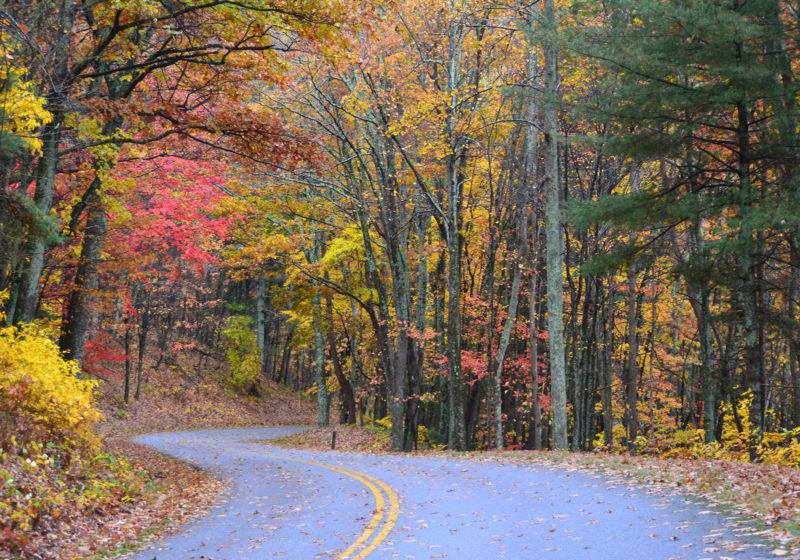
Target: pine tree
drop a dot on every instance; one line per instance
(703, 89)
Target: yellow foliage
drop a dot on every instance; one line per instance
(241, 349)
(424, 434)
(39, 387)
(781, 448)
(385, 422)
(331, 386)
(21, 110)
(348, 245)
(618, 435)
(46, 416)
(425, 438)
(734, 442)
(778, 448)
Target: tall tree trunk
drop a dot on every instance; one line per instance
(438, 288)
(455, 160)
(749, 274)
(411, 425)
(286, 358)
(401, 294)
(346, 390)
(417, 361)
(261, 320)
(143, 329)
(323, 412)
(584, 384)
(493, 389)
(511, 319)
(380, 323)
(785, 111)
(502, 348)
(531, 252)
(76, 322)
(700, 299)
(554, 233)
(536, 406)
(353, 341)
(127, 347)
(456, 438)
(43, 197)
(631, 367)
(57, 98)
(794, 347)
(605, 376)
(650, 356)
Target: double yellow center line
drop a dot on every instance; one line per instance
(383, 520)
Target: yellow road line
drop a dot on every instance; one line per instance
(375, 485)
(394, 512)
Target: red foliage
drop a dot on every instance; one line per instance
(98, 350)
(174, 215)
(475, 363)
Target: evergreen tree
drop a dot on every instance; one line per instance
(702, 89)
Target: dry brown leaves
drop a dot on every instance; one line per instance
(173, 400)
(348, 438)
(177, 492)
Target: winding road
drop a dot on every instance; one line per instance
(306, 505)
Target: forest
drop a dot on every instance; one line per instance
(485, 225)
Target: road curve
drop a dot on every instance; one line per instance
(306, 505)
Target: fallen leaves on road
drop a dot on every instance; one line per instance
(766, 494)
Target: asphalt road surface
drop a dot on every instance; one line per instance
(306, 505)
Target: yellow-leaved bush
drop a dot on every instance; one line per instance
(241, 349)
(46, 418)
(737, 438)
(41, 396)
